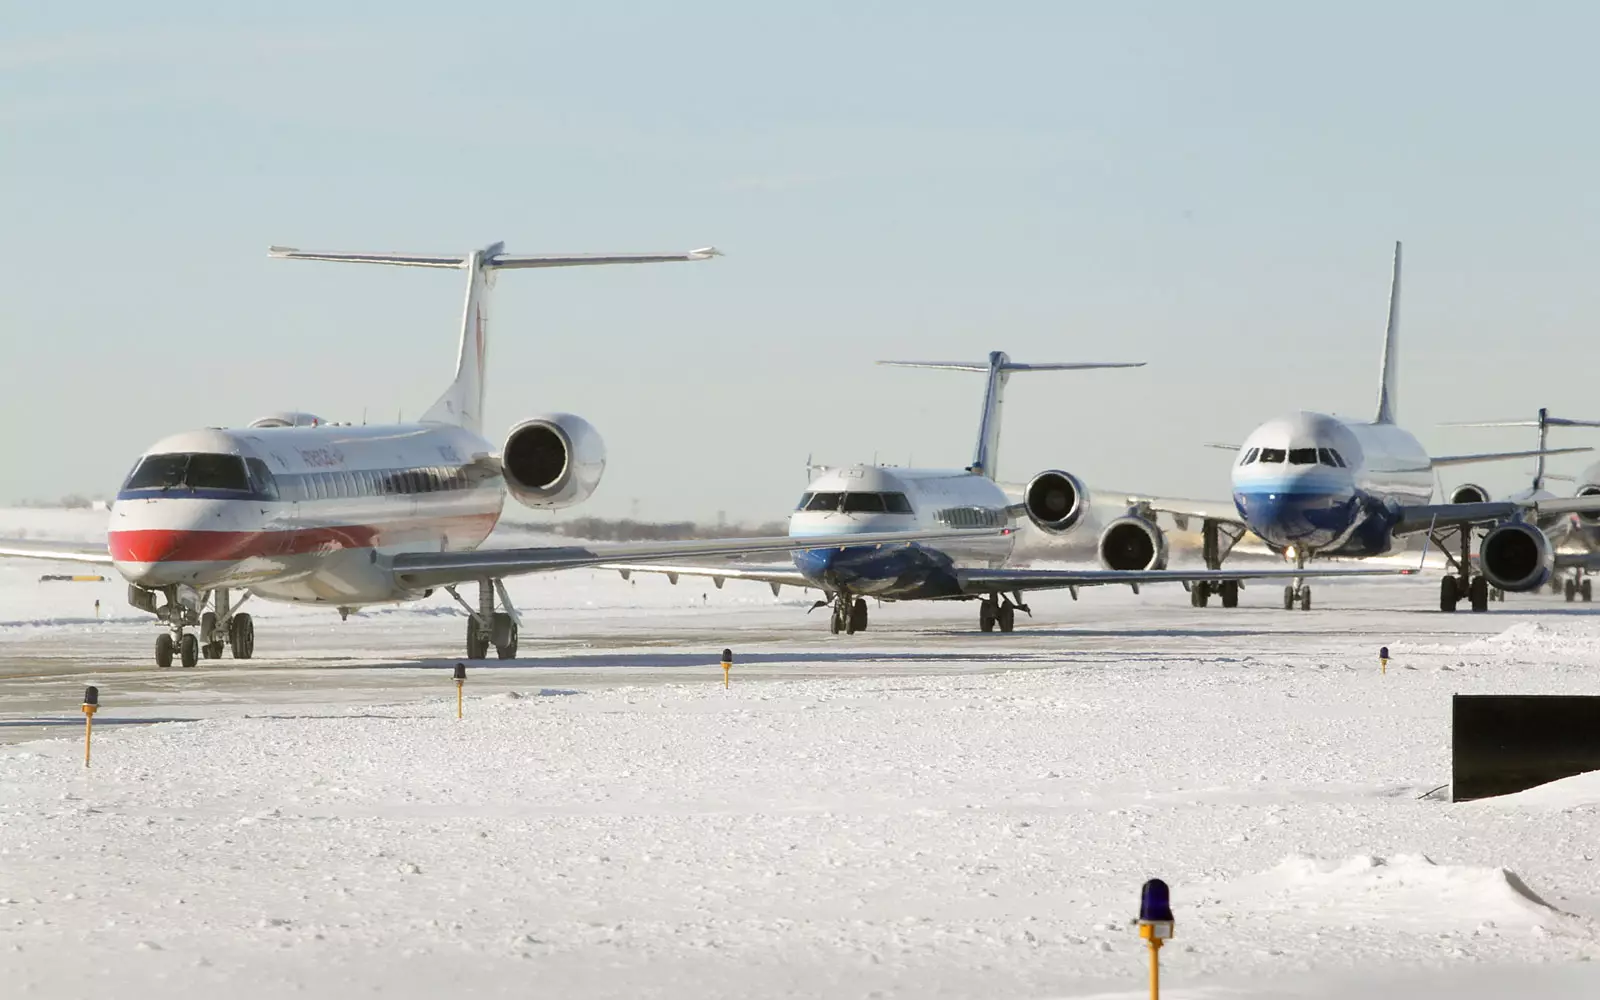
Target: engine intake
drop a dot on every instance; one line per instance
(1056, 501)
(1132, 543)
(1516, 556)
(1469, 493)
(553, 461)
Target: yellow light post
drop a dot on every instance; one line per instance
(1383, 659)
(91, 704)
(727, 667)
(1155, 926)
(461, 681)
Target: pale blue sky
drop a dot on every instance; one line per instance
(1213, 188)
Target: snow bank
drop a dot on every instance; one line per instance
(1575, 792)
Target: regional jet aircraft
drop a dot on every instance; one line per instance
(875, 499)
(1311, 485)
(294, 508)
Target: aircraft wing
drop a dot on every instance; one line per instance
(418, 570)
(989, 581)
(1203, 510)
(1589, 561)
(78, 552)
(1497, 456)
(1414, 519)
(773, 576)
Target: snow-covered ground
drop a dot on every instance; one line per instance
(921, 810)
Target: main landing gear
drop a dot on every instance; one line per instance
(487, 627)
(1463, 586)
(1216, 542)
(846, 614)
(1576, 588)
(223, 625)
(995, 611)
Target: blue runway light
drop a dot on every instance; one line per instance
(1155, 904)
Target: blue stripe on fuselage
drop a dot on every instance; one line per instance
(900, 572)
(1307, 519)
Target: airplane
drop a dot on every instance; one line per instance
(1315, 485)
(1575, 536)
(297, 509)
(874, 498)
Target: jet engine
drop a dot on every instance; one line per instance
(553, 461)
(1590, 490)
(1516, 556)
(1056, 501)
(1469, 493)
(1132, 542)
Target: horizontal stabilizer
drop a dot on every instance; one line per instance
(494, 260)
(1546, 422)
(1012, 366)
(1497, 456)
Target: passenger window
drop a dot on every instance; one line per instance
(1272, 455)
(896, 503)
(824, 501)
(1302, 456)
(863, 503)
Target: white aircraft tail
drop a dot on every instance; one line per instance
(1389, 372)
(1000, 367)
(462, 403)
(1543, 422)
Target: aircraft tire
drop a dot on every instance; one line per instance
(1449, 594)
(164, 650)
(188, 650)
(858, 615)
(1288, 598)
(1230, 593)
(1586, 590)
(242, 637)
(212, 647)
(1571, 588)
(505, 646)
(987, 613)
(1305, 598)
(1478, 593)
(477, 643)
(1007, 618)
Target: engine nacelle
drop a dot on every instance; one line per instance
(1516, 556)
(1056, 501)
(1589, 490)
(553, 461)
(1132, 542)
(1469, 493)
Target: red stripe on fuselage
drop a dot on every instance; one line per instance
(153, 545)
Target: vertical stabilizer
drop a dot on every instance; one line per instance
(1389, 373)
(1000, 368)
(462, 403)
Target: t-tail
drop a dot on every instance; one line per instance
(1000, 368)
(462, 402)
(1389, 373)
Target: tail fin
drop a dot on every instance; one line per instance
(1544, 422)
(985, 460)
(1389, 374)
(462, 402)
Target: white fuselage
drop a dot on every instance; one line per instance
(303, 514)
(875, 499)
(1320, 484)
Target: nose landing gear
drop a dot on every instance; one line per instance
(994, 611)
(224, 626)
(487, 627)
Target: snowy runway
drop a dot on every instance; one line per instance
(918, 811)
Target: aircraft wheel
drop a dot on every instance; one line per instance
(477, 642)
(1230, 593)
(835, 625)
(988, 613)
(188, 650)
(164, 650)
(1305, 598)
(1200, 594)
(1555, 585)
(1007, 618)
(505, 636)
(1571, 588)
(1288, 598)
(211, 648)
(1449, 593)
(1586, 590)
(1478, 593)
(858, 615)
(242, 637)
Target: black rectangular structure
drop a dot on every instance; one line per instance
(1501, 744)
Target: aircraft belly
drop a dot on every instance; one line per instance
(902, 572)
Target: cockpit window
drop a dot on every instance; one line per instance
(1272, 455)
(897, 503)
(824, 501)
(863, 503)
(1326, 457)
(1250, 456)
(805, 500)
(1302, 456)
(261, 480)
(1338, 459)
(190, 471)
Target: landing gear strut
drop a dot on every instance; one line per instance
(185, 609)
(487, 627)
(997, 611)
(1298, 592)
(1462, 586)
(846, 614)
(1217, 540)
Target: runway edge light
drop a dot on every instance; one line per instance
(727, 666)
(461, 680)
(1383, 659)
(1155, 926)
(91, 704)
